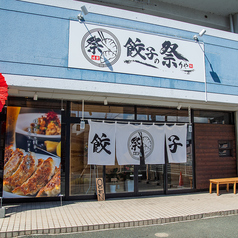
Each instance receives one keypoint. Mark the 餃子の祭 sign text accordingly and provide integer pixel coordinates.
(116, 50)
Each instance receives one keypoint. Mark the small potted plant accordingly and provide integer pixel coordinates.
(113, 177)
(127, 176)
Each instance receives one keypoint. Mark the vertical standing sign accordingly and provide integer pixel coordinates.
(100, 189)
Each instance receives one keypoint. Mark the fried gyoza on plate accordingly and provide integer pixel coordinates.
(8, 153)
(24, 171)
(12, 164)
(38, 180)
(40, 162)
(52, 188)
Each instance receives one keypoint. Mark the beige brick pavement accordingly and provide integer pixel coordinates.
(73, 216)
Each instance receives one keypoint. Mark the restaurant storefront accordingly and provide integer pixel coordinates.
(134, 99)
(78, 176)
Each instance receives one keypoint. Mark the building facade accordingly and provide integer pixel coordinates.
(67, 67)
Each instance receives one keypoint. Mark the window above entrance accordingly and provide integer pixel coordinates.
(103, 111)
(213, 117)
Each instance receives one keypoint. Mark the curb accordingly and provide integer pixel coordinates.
(95, 227)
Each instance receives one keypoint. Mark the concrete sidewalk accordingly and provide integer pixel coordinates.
(73, 216)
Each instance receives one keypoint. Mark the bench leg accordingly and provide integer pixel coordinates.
(210, 188)
(217, 189)
(234, 188)
(227, 187)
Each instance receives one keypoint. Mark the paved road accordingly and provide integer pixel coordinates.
(218, 227)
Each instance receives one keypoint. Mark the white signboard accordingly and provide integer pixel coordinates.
(123, 51)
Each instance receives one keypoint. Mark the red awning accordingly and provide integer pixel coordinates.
(3, 91)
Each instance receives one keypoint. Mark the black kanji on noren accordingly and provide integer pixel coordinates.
(173, 147)
(100, 144)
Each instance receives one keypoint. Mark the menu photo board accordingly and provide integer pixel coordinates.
(32, 161)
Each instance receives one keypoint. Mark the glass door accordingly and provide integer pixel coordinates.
(180, 176)
(120, 179)
(82, 176)
(150, 177)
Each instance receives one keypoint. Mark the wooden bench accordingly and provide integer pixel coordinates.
(226, 181)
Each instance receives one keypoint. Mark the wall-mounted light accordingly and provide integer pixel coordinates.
(179, 106)
(84, 11)
(35, 97)
(62, 104)
(195, 37)
(201, 33)
(105, 102)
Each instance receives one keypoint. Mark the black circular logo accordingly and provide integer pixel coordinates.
(100, 47)
(140, 141)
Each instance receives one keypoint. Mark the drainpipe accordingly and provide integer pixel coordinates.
(231, 23)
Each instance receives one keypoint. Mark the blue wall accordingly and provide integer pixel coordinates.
(34, 41)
